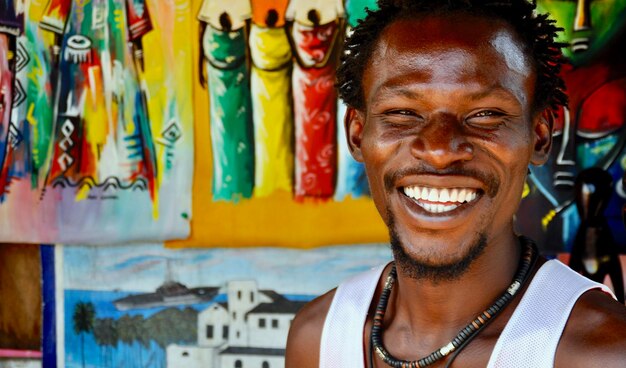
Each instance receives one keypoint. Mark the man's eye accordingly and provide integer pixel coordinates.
(487, 113)
(486, 118)
(402, 112)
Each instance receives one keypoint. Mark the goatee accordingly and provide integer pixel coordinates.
(431, 270)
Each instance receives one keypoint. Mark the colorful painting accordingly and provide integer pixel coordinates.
(96, 121)
(148, 306)
(271, 165)
(590, 134)
(276, 96)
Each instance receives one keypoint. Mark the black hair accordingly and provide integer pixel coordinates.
(225, 22)
(271, 18)
(536, 31)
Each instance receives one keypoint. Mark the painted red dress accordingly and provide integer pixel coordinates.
(315, 110)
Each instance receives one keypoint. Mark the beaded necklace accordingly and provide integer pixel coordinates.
(527, 261)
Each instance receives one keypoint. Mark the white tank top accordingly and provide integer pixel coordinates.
(526, 341)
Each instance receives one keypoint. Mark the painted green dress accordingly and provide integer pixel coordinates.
(231, 113)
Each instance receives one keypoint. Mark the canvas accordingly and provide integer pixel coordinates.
(96, 121)
(148, 306)
(271, 166)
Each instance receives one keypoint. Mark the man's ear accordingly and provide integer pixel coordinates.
(542, 136)
(354, 123)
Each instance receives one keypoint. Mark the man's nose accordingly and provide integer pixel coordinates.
(442, 142)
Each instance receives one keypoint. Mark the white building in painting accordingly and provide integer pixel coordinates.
(248, 331)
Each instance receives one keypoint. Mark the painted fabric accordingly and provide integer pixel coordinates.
(273, 121)
(315, 110)
(86, 126)
(97, 138)
(231, 113)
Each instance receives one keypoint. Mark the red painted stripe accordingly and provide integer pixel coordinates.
(10, 353)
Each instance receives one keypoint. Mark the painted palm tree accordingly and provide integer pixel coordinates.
(105, 333)
(83, 318)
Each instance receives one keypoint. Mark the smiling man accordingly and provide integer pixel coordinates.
(449, 104)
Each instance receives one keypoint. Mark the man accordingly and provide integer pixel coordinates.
(449, 102)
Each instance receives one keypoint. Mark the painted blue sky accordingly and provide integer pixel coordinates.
(145, 267)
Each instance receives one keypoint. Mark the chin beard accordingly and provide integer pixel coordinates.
(430, 269)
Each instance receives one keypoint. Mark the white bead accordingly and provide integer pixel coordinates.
(445, 350)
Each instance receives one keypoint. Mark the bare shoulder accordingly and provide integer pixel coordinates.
(595, 334)
(303, 343)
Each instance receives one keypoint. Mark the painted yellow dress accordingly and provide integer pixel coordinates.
(272, 114)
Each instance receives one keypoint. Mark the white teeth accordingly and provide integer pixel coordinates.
(444, 196)
(462, 194)
(439, 199)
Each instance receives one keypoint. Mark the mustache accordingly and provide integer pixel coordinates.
(492, 183)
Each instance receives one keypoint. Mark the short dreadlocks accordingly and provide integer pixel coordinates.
(536, 31)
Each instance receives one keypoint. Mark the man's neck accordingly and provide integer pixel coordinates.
(437, 307)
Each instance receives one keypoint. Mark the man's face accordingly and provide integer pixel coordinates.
(589, 25)
(447, 133)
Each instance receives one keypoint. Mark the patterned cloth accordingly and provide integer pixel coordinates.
(231, 113)
(315, 110)
(82, 160)
(273, 121)
(90, 126)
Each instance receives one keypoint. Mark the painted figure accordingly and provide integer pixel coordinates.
(314, 28)
(100, 137)
(271, 98)
(351, 179)
(595, 252)
(589, 132)
(589, 27)
(224, 60)
(11, 27)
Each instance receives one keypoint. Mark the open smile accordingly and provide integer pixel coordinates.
(441, 201)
